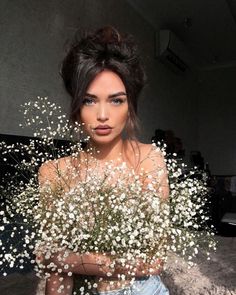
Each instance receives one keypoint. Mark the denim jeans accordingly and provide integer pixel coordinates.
(144, 286)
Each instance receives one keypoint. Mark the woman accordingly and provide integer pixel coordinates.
(103, 75)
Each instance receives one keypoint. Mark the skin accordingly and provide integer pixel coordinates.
(105, 103)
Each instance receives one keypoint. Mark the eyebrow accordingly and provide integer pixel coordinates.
(109, 96)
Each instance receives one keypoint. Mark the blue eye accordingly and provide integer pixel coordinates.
(87, 101)
(117, 101)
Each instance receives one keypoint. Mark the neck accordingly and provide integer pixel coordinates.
(108, 151)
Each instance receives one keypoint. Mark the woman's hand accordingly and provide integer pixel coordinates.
(140, 269)
(145, 269)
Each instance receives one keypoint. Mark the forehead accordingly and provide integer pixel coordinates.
(106, 82)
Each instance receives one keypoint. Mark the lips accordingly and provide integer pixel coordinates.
(102, 127)
(103, 130)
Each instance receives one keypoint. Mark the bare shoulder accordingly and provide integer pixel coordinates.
(151, 155)
(50, 170)
(153, 164)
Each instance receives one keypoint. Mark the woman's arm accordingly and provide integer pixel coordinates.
(155, 171)
(92, 264)
(156, 176)
(99, 265)
(85, 264)
(141, 269)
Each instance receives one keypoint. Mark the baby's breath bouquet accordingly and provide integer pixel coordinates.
(86, 206)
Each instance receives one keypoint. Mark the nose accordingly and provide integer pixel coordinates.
(102, 112)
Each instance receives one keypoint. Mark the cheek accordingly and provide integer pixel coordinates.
(125, 114)
(84, 119)
(85, 116)
(121, 117)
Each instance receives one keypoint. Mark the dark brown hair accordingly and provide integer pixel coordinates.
(103, 49)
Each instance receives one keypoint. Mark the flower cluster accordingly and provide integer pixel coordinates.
(88, 206)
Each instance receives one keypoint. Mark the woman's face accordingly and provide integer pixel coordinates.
(104, 109)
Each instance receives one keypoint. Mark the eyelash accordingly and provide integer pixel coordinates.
(86, 100)
(116, 101)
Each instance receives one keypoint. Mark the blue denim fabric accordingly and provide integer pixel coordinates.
(144, 286)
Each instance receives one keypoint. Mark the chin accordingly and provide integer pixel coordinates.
(103, 139)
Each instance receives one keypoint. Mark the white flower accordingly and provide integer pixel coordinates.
(114, 212)
(71, 215)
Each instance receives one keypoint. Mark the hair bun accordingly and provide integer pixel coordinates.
(107, 35)
(94, 52)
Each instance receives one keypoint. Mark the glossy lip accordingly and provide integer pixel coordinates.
(103, 131)
(103, 127)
